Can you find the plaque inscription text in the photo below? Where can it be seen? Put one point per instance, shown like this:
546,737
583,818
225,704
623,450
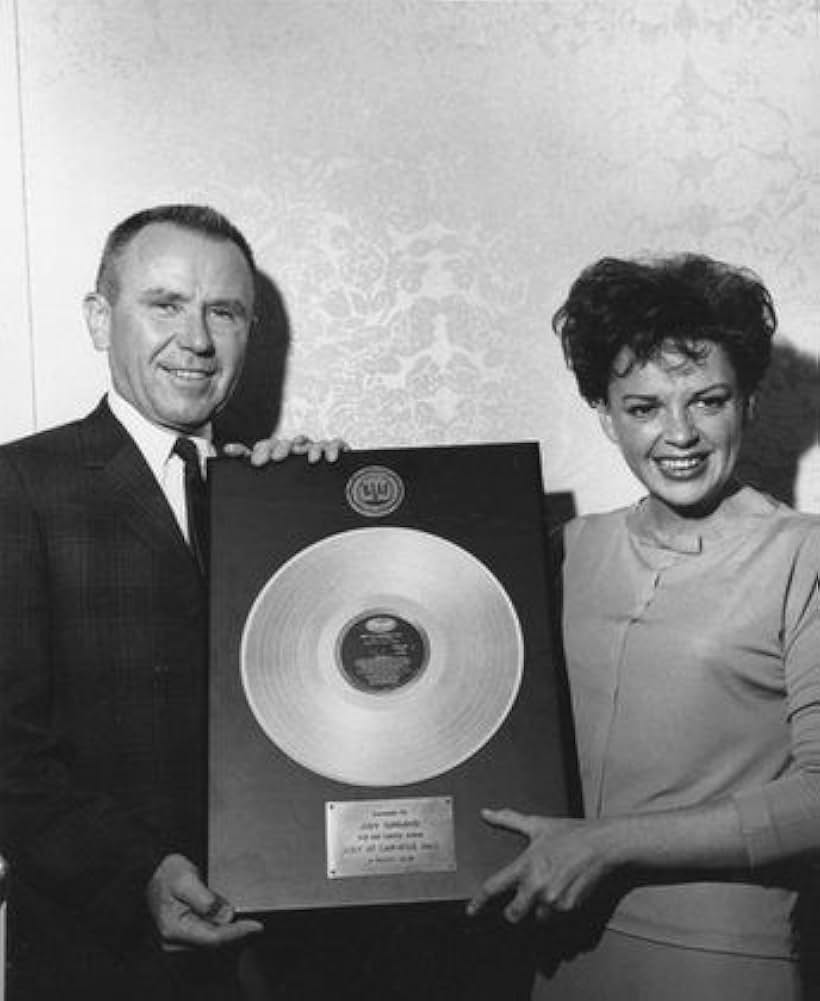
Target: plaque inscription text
379,837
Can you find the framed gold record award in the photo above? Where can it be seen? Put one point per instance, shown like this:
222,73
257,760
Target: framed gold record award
381,669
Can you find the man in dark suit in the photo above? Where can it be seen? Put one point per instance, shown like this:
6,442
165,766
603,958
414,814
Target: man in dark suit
103,635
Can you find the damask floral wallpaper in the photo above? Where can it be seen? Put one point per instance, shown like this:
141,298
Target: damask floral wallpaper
422,179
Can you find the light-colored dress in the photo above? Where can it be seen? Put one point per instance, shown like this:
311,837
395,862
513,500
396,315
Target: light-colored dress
694,667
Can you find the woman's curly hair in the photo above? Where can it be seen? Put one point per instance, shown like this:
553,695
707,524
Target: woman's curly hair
680,301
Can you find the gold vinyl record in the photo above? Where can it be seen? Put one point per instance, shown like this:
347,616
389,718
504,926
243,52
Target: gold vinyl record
381,656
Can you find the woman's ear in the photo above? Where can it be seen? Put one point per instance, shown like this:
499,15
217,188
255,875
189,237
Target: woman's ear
750,409
97,313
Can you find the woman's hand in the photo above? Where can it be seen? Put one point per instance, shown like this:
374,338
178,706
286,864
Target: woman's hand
275,449
564,862
567,860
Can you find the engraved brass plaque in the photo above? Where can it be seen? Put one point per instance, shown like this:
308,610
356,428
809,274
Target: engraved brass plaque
379,837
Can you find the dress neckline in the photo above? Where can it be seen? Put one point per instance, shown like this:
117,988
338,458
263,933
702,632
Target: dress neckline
730,518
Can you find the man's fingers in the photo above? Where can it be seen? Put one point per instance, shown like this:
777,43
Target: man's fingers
220,912
217,935
261,452
190,891
199,933
329,450
278,449
270,450
282,448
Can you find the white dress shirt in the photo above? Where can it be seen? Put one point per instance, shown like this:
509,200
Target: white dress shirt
156,444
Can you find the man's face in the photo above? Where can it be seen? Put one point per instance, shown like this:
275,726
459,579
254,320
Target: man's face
177,331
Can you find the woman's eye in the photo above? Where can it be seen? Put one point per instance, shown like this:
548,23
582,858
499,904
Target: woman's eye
641,409
712,403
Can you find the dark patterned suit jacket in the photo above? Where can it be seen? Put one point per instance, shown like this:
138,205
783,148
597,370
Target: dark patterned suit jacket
102,707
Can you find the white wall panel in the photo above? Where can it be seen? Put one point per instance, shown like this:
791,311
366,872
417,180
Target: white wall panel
422,180
17,413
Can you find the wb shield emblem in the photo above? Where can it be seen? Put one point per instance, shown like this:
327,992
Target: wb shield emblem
374,491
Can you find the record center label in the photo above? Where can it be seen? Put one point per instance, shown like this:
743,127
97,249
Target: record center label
380,652
382,837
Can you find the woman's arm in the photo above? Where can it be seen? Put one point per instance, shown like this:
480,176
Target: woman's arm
567,859
779,821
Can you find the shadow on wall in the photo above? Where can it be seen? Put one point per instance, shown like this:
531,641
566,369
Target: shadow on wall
255,407
559,508
786,425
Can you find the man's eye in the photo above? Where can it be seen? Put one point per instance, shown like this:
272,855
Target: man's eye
223,313
166,308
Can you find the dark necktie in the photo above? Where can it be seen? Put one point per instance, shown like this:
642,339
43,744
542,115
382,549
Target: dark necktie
196,501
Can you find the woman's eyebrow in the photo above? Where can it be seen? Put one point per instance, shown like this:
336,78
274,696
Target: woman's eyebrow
711,388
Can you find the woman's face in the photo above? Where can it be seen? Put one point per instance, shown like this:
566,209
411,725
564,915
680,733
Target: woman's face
678,423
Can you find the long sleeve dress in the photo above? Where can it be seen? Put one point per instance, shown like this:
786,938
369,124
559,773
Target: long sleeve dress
693,661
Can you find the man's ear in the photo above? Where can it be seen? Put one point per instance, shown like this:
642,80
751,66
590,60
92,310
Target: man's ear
606,422
97,311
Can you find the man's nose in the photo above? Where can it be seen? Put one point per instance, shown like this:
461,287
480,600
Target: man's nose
195,334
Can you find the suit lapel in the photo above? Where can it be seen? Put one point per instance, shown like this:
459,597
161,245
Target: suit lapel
127,480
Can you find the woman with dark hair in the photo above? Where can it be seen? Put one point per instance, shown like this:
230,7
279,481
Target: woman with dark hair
691,629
